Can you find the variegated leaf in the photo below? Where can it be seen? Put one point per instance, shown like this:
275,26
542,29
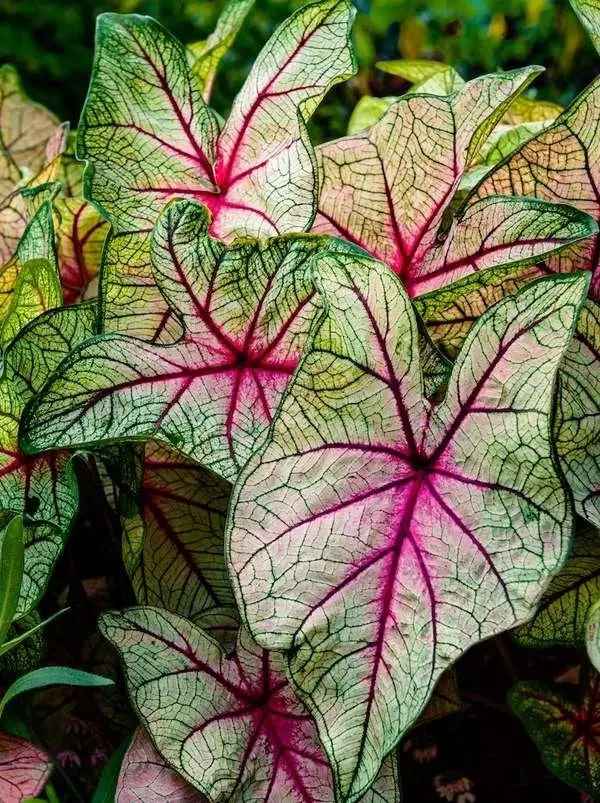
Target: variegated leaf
389,188
149,137
577,427
420,530
204,57
564,729
146,778
24,769
246,310
80,235
561,165
561,615
588,12
230,725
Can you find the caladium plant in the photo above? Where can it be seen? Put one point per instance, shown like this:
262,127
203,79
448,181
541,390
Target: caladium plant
346,398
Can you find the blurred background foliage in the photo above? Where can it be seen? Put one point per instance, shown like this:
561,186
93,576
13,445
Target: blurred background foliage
50,42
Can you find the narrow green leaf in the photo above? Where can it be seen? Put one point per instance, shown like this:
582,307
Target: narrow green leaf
592,634
51,676
14,642
11,573
106,790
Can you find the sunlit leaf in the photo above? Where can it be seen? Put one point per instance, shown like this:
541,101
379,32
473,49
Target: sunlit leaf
230,725
368,111
561,164
561,615
246,310
588,12
564,730
25,130
388,189
204,57
529,110
11,573
80,238
146,776
149,136
24,769
413,70
420,530
577,428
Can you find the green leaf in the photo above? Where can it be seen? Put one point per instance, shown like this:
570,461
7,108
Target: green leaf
377,537
204,57
106,790
224,722
11,574
51,676
37,290
577,425
561,614
588,12
367,112
246,309
14,642
564,730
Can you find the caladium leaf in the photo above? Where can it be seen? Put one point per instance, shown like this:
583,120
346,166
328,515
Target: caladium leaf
37,289
43,489
80,236
429,77
369,198
130,300
231,726
529,110
561,615
588,12
24,769
577,428
26,128
175,533
560,165
449,313
146,147
146,776
420,530
204,57
564,730
246,309
592,633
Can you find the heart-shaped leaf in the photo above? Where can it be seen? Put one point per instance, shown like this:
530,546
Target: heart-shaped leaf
24,769
174,538
371,198
561,164
149,137
577,427
564,730
246,309
419,530
204,57
145,776
231,726
561,615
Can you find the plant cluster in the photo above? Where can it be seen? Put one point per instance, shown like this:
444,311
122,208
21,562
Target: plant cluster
344,400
